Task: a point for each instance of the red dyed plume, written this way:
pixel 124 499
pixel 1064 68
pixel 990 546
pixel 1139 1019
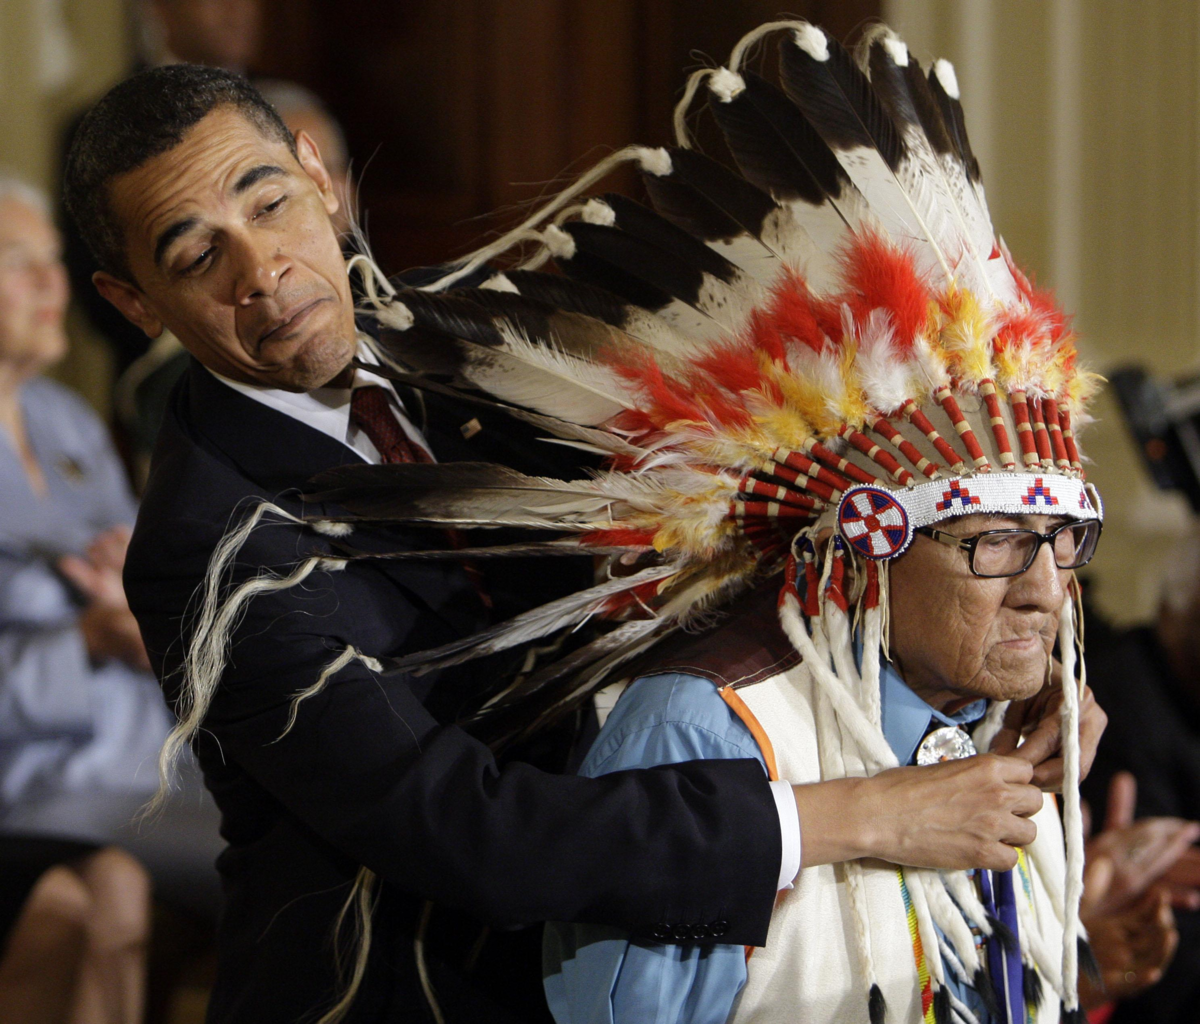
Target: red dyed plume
pixel 879 275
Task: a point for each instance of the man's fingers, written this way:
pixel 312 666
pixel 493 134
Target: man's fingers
pixel 998 857
pixel 1048 776
pixel 1020 832
pixel 1041 743
pixel 1122 799
pixel 1027 801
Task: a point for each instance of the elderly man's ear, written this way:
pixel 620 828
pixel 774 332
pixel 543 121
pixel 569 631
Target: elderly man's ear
pixel 128 298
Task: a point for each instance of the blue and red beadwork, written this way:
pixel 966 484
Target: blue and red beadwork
pixel 874 522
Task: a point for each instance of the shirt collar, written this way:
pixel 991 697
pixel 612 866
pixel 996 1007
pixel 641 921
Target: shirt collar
pixel 906 717
pixel 325 409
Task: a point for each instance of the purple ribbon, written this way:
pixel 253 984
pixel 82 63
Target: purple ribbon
pixel 1004 967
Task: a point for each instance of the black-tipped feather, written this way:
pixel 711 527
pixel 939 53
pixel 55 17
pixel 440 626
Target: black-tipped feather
pixel 593 270
pixel 1076 1016
pixel 451 315
pixel 744 203
pixel 532 625
pixel 1003 934
pixel 1031 987
pixel 1087 961
pixel 690 209
pixel 987 992
pixel 941 1006
pixel 838 99
pixel 956 126
pixel 635 219
pixel 797 134
pixel 762 156
pixel 571 295
pixel 478 494
pixel 549 547
pixel 876 1005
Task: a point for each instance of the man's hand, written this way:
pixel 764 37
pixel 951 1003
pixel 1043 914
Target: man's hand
pixel 108 626
pixel 969 813
pixel 1038 719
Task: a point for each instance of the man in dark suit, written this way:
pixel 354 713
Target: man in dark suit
pixel 211 220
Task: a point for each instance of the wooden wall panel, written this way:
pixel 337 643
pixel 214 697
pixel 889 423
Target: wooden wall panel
pixel 459 114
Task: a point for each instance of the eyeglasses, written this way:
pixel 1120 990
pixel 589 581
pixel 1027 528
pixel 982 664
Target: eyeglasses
pixel 994 554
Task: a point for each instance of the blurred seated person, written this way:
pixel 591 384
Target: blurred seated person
pixel 1148 679
pixel 1137 872
pixel 81 718
pixel 74 950
pixel 142 390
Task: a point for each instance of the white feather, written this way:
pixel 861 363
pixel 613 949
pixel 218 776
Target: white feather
pixel 884 375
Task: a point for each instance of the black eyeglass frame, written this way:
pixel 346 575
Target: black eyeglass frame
pixel 969 544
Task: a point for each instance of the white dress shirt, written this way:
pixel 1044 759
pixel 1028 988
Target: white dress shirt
pixel 328 410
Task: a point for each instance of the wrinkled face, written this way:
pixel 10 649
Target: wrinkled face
pixel 230 247
pixel 33 290
pixel 956 637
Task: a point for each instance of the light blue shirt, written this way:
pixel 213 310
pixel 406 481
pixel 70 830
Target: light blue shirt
pixel 598 975
pixel 66 724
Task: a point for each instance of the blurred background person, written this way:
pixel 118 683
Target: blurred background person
pixel 1138 874
pixel 81 718
pixel 1148 680
pixel 223 33
pixel 74 950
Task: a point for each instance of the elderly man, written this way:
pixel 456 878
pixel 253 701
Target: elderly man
pixel 212 221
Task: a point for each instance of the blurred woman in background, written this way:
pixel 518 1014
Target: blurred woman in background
pixel 81 718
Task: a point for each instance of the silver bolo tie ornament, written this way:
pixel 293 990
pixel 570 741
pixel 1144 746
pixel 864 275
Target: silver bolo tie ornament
pixel 949 743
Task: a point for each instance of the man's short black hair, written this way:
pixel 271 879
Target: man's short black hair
pixel 137 120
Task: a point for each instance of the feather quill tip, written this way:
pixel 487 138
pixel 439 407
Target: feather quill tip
pixel 946 77
pixel 560 244
pixel 396 315
pixel 597 211
pixel 726 84
pixel 812 41
pixel 500 283
pixel 330 529
pixel 654 161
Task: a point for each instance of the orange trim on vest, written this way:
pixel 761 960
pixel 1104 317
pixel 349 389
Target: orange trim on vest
pixel 738 706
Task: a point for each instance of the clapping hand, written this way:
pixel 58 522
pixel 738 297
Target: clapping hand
pixel 108 626
pixel 1135 871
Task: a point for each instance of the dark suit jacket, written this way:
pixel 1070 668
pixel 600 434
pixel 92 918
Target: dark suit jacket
pixel 370 775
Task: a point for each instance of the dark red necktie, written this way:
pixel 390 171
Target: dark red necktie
pixel 371 411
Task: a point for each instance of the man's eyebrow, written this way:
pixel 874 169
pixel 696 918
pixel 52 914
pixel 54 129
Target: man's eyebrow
pixel 180 227
pixel 256 174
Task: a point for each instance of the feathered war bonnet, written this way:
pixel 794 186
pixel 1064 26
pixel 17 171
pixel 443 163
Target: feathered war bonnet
pixel 829 339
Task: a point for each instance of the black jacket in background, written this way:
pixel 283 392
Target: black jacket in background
pixel 369 775
pixel 1153 731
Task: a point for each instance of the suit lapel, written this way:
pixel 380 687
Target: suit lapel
pixel 272 449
